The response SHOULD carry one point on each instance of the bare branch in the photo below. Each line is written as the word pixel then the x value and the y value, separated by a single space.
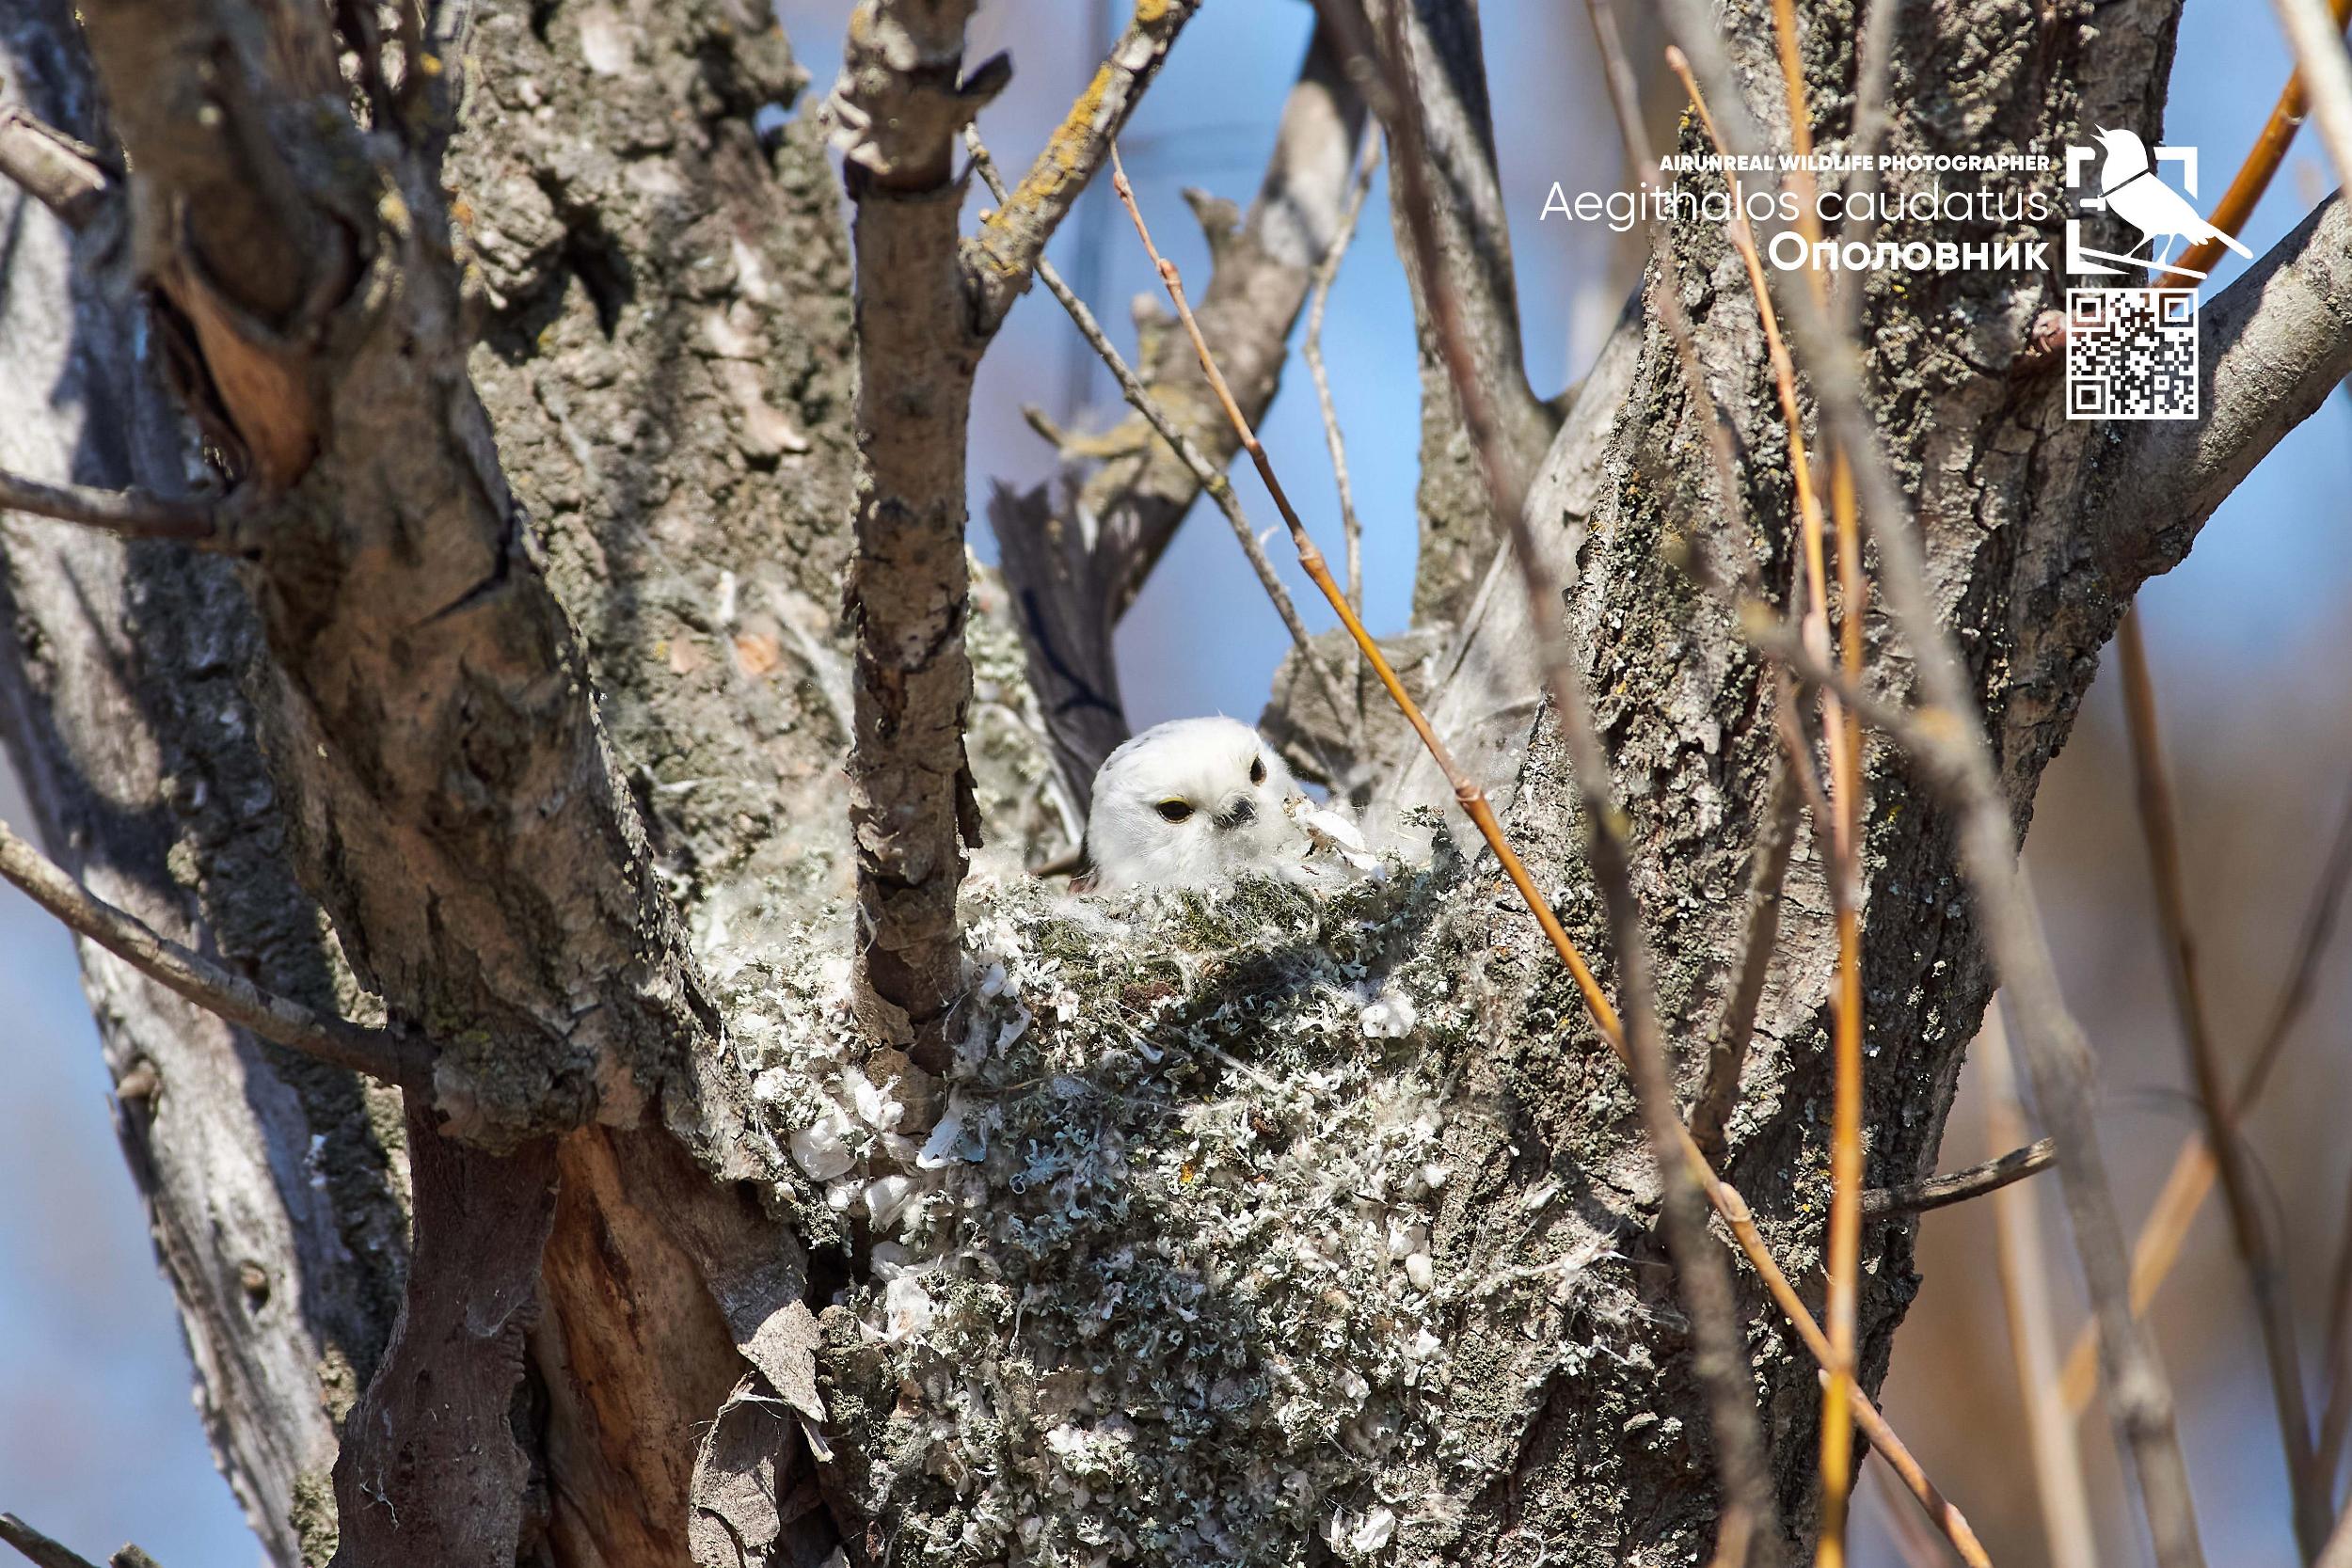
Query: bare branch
pixel 2338 1552
pixel 2157 1245
pixel 1930 736
pixel 1011 241
pixel 1075 565
pixel 2276 343
pixel 913 812
pixel 37 1548
pixel 2262 162
pixel 393 1055
pixel 60 173
pixel 1024 531
pixel 1311 349
pixel 2033 1336
pixel 129 514
pixel 1941 1192
pixel 2336 1361
pixel 2264 1270
pixel 2310 942
pixel 2056 1048
pixel 1352 29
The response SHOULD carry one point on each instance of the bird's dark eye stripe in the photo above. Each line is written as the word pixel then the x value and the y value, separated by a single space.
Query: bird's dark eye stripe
pixel 1256 771
pixel 1174 811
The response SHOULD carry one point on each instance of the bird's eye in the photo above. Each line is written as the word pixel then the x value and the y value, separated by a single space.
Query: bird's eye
pixel 1174 811
pixel 1256 771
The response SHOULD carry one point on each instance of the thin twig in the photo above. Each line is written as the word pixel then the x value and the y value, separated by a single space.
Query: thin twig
pixel 1844 745
pixel 1941 1192
pixel 2158 1245
pixel 1205 473
pixel 2160 829
pixel 2158 1241
pixel 1844 735
pixel 1916 1542
pixel 1011 241
pixel 1350 24
pixel 1727 1199
pixel 1326 272
pixel 2056 1048
pixel 62 174
pixel 38 1548
pixel 1929 735
pixel 2058 1461
pixel 2338 1553
pixel 127 513
pixel 1472 799
pixel 1319 298
pixel 393 1056
pixel 1796 747
pixel 1791 777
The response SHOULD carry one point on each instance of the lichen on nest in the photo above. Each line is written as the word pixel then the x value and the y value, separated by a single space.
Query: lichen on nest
pixel 1092 1328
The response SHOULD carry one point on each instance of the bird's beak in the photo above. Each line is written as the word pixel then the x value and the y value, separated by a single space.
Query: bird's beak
pixel 1240 810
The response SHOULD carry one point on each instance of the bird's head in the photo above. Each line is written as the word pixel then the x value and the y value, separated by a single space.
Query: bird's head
pixel 1189 803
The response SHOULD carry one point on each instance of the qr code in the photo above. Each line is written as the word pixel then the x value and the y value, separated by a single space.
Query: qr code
pixel 2131 354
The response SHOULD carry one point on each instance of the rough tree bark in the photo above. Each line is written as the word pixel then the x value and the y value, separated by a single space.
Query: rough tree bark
pixel 521 730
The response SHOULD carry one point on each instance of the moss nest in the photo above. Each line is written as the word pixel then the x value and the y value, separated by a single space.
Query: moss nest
pixel 1089 1326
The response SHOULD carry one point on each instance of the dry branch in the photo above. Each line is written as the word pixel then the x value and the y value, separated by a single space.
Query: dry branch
pixel 42 1551
pixel 1082 717
pixel 2032 1331
pixel 1012 240
pixel 2336 1361
pixel 1727 1052
pixel 127 513
pixel 1941 1192
pixel 2257 1253
pixel 390 1055
pixel 1720 1355
pixel 1440 62
pixel 2325 72
pixel 1074 563
pixel 59 172
pixel 901 104
pixel 1349 23
pixel 1310 350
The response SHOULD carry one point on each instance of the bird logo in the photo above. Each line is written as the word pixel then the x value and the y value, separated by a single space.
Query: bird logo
pixel 2130 187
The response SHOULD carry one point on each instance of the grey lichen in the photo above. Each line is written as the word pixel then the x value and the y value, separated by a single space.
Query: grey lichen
pixel 1094 1327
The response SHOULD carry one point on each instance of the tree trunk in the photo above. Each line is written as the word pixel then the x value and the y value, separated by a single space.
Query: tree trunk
pixel 1290 1227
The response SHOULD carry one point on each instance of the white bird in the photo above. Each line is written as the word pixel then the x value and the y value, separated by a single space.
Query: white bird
pixel 2133 192
pixel 1189 803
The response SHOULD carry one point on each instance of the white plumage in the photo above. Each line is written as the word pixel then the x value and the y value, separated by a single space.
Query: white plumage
pixel 1190 803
